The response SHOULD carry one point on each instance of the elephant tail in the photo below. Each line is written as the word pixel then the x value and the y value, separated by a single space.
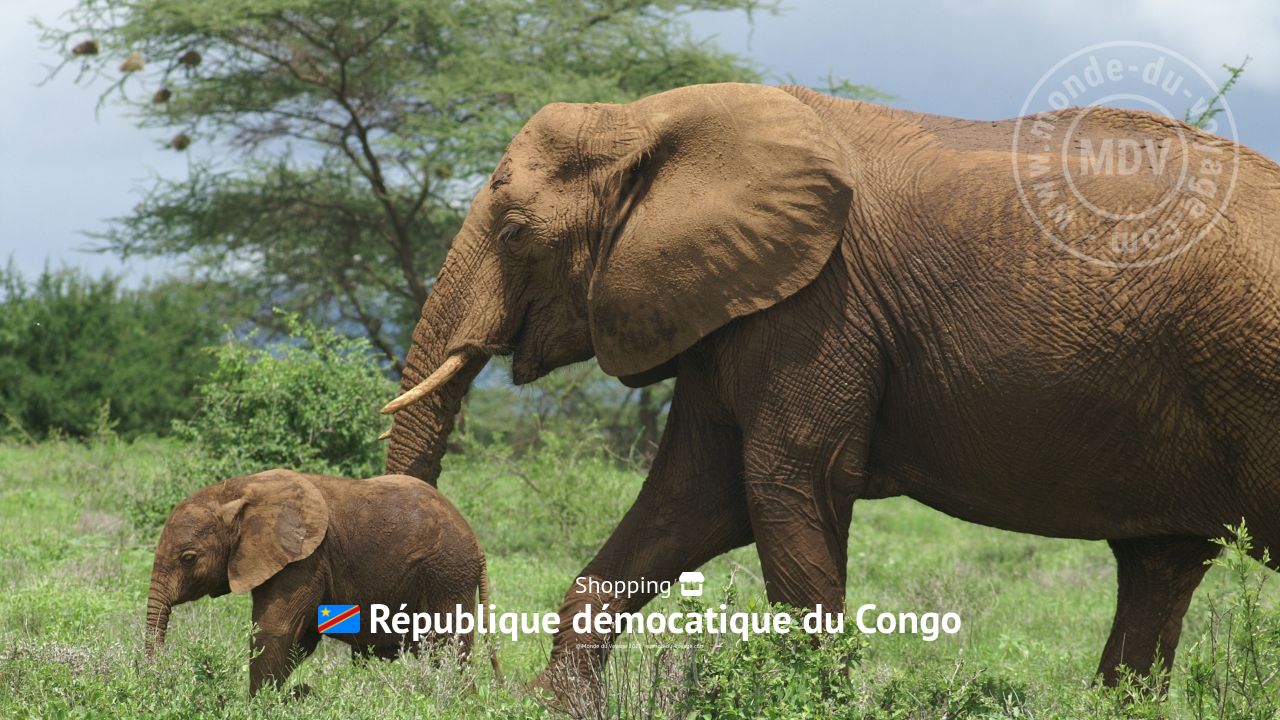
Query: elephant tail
pixel 483 593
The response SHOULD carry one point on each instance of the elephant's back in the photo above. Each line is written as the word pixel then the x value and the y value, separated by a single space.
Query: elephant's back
pixel 1047 374
pixel 398 520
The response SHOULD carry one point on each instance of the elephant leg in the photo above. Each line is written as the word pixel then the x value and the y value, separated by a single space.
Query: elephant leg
pixel 690 509
pixel 802 540
pixel 285 617
pixel 276 656
pixel 1157 577
pixel 459 643
pixel 803 472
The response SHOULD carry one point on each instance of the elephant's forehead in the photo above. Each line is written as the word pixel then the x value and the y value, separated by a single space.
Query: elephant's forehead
pixel 548 133
pixel 189 519
pixel 556 121
pixel 562 134
pixel 516 182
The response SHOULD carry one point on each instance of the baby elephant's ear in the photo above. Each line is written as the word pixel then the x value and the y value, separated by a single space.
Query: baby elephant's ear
pixel 276 517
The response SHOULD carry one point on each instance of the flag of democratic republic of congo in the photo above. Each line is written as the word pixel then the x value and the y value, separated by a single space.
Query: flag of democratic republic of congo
pixel 340 619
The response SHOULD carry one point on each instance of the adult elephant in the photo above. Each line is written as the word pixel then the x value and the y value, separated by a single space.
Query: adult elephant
pixel 856 304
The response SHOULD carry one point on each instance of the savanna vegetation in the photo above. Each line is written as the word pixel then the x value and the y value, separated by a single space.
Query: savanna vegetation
pixel 77 351
pixel 79 521
pixel 75 551
pixel 334 144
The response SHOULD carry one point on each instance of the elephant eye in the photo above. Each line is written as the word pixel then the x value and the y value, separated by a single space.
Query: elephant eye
pixel 187 557
pixel 510 233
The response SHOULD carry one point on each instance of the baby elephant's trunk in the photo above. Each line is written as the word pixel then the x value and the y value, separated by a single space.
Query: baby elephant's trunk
pixel 157 623
pixel 483 592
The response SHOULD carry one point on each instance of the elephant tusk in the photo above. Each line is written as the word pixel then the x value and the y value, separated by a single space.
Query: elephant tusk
pixel 442 375
pixel 385 433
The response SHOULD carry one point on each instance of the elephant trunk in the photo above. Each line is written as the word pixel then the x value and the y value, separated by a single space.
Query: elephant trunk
pixel 157 621
pixel 449 347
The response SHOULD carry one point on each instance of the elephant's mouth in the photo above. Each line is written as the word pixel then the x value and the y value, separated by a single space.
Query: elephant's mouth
pixel 535 352
pixel 525 365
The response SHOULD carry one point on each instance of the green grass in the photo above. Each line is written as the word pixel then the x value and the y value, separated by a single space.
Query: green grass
pixel 75 558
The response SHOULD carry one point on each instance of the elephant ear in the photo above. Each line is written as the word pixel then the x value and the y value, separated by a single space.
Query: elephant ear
pixel 733 201
pixel 276 517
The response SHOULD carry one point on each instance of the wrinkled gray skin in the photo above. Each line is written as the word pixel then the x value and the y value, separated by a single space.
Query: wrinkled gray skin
pixel 298 541
pixel 855 304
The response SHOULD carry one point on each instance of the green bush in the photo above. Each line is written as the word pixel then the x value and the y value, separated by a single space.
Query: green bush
pixel 309 403
pixel 72 345
pixel 791 676
pixel 1233 673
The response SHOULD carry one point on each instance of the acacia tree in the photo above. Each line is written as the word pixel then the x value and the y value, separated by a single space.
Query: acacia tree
pixel 335 142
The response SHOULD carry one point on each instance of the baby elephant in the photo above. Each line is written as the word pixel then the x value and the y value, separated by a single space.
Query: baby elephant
pixel 299 541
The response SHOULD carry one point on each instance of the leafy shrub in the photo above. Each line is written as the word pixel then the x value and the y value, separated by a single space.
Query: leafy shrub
pixel 1233 673
pixel 309 404
pixel 778 676
pixel 72 345
pixel 941 690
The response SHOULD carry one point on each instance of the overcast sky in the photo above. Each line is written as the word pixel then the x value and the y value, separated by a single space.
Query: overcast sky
pixel 62 172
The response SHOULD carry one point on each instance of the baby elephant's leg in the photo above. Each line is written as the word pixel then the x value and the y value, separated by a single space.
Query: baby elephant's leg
pixel 277 655
pixel 284 637
pixel 446 605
